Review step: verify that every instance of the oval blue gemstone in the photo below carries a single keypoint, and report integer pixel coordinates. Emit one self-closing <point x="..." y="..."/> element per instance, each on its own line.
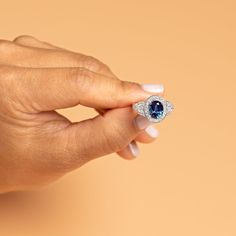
<point x="156" y="109"/>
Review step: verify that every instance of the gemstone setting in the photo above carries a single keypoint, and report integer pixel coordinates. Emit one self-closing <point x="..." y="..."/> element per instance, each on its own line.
<point x="154" y="108"/>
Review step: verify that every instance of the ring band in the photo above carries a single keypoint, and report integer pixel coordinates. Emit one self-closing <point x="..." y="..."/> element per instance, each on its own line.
<point x="154" y="108"/>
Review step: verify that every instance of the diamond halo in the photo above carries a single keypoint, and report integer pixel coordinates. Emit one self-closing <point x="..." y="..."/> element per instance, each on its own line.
<point x="143" y="108"/>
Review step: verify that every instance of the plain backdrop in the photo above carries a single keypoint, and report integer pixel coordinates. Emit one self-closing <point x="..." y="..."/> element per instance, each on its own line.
<point x="184" y="183"/>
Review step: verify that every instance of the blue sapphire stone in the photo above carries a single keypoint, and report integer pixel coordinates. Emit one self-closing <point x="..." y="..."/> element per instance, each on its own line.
<point x="156" y="109"/>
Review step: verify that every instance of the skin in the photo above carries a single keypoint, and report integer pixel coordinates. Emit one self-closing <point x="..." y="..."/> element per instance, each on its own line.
<point x="38" y="145"/>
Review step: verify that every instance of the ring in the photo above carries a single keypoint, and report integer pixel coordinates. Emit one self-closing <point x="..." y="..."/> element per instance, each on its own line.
<point x="154" y="108"/>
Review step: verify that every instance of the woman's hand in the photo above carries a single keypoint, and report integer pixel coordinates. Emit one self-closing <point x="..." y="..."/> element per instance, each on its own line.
<point x="38" y="145"/>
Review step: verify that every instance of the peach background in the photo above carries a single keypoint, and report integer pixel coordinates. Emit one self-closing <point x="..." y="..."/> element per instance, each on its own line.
<point x="183" y="184"/>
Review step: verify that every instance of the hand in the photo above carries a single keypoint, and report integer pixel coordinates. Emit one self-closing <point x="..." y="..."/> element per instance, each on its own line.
<point x="38" y="145"/>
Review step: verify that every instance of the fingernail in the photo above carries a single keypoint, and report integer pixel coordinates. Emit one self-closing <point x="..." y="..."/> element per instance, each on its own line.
<point x="152" y="131"/>
<point x="142" y="122"/>
<point x="153" y="88"/>
<point x="134" y="149"/>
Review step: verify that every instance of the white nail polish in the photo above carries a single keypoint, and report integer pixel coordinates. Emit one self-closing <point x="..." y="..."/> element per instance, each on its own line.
<point x="153" y="88"/>
<point x="152" y="132"/>
<point x="142" y="122"/>
<point x="134" y="149"/>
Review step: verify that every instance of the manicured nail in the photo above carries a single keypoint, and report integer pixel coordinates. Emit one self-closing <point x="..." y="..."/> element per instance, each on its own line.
<point x="134" y="149"/>
<point x="142" y="122"/>
<point x="152" y="131"/>
<point x="153" y="88"/>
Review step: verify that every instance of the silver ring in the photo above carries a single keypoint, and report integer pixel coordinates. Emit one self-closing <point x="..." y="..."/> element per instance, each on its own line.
<point x="154" y="108"/>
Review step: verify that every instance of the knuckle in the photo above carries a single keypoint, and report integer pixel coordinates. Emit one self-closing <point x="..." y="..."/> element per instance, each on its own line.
<point x="22" y="38"/>
<point x="82" y="73"/>
<point x="93" y="64"/>
<point x="82" y="77"/>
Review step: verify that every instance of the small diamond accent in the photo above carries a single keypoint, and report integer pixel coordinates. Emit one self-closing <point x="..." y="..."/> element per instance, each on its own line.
<point x="169" y="107"/>
<point x="138" y="107"/>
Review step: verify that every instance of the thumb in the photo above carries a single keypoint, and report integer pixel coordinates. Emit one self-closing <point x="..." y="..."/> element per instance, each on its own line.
<point x="102" y="135"/>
